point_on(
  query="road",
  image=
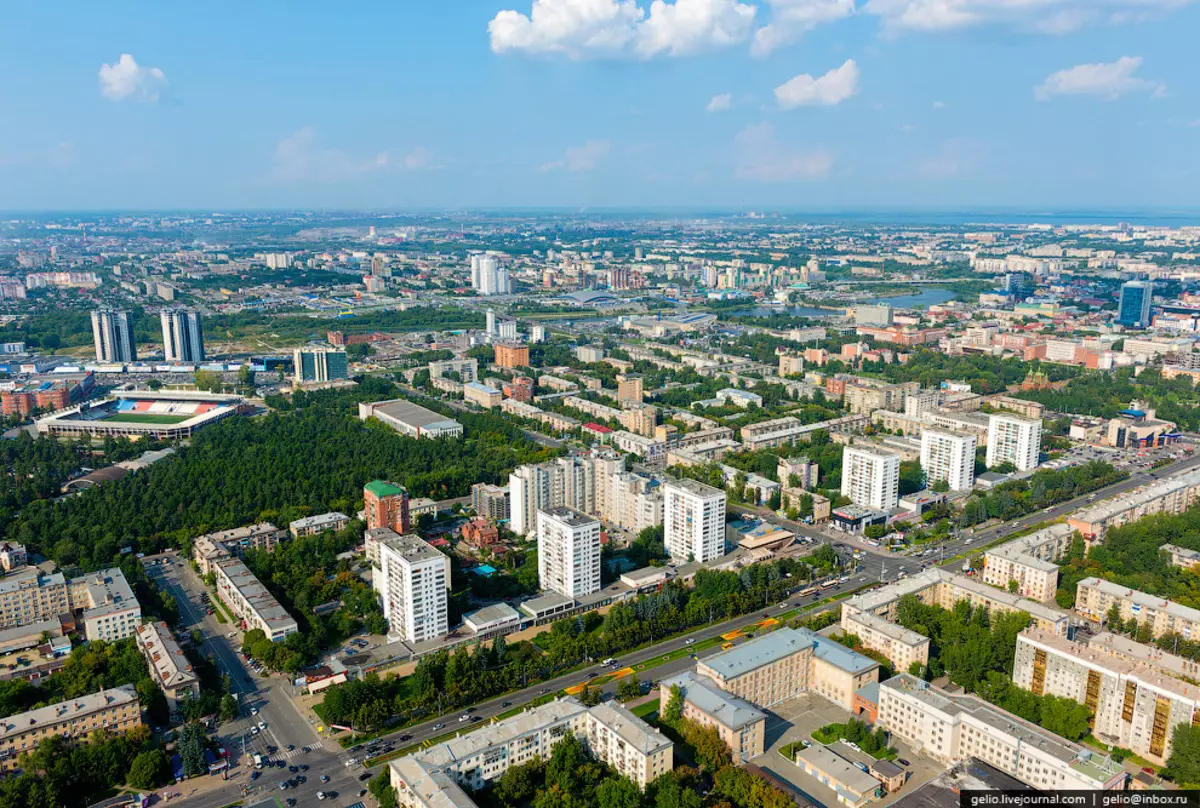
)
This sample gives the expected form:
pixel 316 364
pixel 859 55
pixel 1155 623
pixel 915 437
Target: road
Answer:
pixel 270 698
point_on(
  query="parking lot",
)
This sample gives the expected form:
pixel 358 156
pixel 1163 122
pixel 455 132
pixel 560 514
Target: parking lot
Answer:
pixel 794 720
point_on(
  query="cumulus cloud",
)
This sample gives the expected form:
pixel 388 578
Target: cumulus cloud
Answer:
pixel 760 156
pixel 720 103
pixel 1108 80
pixel 791 19
pixel 580 158
pixel 828 90
pixel 300 157
pixel 612 29
pixel 126 79
pixel 1045 16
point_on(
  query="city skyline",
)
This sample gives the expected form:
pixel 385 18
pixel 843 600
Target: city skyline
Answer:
pixel 724 104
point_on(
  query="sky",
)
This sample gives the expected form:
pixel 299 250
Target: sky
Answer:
pixel 1037 105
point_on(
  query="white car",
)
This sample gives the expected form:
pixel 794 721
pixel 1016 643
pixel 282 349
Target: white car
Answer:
pixel 262 725
pixel 689 641
pixel 320 795
pixel 253 730
pixel 253 711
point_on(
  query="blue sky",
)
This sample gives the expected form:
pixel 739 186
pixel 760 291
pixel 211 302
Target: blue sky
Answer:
pixel 731 104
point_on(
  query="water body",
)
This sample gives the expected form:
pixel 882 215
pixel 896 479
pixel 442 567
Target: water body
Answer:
pixel 927 296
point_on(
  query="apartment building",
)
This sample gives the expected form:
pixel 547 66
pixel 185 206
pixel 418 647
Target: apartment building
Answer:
pixel 790 365
pixel 109 609
pixel 206 552
pixel 789 431
pixel 386 505
pixel 922 401
pixel 490 501
pixel 786 663
pixel 871 477
pixel 169 667
pixel 592 408
pixel 649 450
pixel 236 541
pixel 1181 556
pixel 740 724
pixel 629 388
pixel 1015 440
pixel 313 525
pixel 1174 494
pixel 114 711
pixel 640 419
pixel 1033 410
pixel 631 501
pixel 512 355
pixel 948 457
pixel 439 777
pixel 250 602
pixel 1029 561
pixel 1094 597
pixel 804 470
pixel 568 552
pixel 693 521
pixel 27 596
pixel 568 481
pixel 901 646
pixel 482 395
pixel 864 396
pixel 952 728
pixel 1134 704
pixel 412 579
pixel 467 369
pixel 940 587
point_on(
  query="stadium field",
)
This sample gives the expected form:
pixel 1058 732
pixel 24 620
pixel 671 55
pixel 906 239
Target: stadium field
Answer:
pixel 146 418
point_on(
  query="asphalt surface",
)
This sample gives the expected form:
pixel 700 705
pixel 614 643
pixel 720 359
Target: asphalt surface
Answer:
pixel 284 723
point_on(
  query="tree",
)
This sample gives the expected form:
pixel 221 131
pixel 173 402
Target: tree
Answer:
pixel 191 749
pixel 710 750
pixel 1183 766
pixel 618 792
pixel 1013 585
pixel 208 380
pixel 229 707
pixel 381 788
pixel 629 688
pixel 672 711
pixel 916 668
pixel 149 769
pixel 1065 717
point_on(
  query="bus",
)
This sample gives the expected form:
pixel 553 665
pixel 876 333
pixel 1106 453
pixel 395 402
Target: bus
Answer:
pixel 806 592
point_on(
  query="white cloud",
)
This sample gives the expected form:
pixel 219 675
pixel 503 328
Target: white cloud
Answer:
pixel 1044 16
pixel 421 158
pixel 720 103
pixel 939 104
pixel 760 156
pixel 828 90
pixel 1109 80
pixel 580 158
pixel 127 79
pixel 598 29
pixel 1195 123
pixel 791 19
pixel 299 157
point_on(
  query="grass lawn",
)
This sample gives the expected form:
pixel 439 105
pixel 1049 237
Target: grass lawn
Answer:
pixel 646 710
pixel 146 418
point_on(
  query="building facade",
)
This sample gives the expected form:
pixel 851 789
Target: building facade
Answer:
pixel 250 602
pixel 169 667
pixel 112 711
pixel 1029 562
pixel 871 477
pixel 112 333
pixel 693 521
pixel 183 337
pixel 568 552
pixel 948 457
pixel 386 505
pixel 1013 439
pixel 314 365
pixel 413 579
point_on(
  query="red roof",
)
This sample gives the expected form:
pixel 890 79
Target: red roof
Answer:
pixel 597 428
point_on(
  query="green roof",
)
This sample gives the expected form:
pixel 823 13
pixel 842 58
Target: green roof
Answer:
pixel 382 488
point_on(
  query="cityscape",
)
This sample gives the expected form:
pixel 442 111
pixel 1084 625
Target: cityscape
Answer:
pixel 600 404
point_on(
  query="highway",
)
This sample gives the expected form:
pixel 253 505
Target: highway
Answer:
pixel 285 725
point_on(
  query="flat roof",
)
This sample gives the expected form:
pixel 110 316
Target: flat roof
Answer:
pixel 383 488
pixel 411 547
pixel 843 774
pixel 781 643
pixel 1147 493
pixel 493 613
pixel 264 604
pixel 893 631
pixel 415 415
pixel 568 516
pixel 320 519
pixel 695 487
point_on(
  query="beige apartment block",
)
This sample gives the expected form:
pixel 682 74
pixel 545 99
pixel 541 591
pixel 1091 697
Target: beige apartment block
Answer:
pixel 115 710
pixel 1029 561
pixel 740 724
pixel 901 646
pixel 1094 598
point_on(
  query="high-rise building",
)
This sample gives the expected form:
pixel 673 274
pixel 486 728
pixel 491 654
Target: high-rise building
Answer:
pixel 569 481
pixel 1015 440
pixel 412 580
pixel 320 365
pixel 877 314
pixel 693 521
pixel 948 457
pixel 183 340
pixel 511 355
pixel 386 505
pixel 629 387
pixel 871 477
pixel 568 552
pixel 112 332
pixel 1134 308
pixel 489 276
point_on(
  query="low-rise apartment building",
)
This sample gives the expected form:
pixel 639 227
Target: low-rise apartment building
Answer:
pixel 438 777
pixel 900 645
pixel 786 663
pixel 312 525
pixel 169 667
pixel 483 395
pixel 114 710
pixel 28 596
pixel 789 431
pixel 1029 561
pixel 1181 556
pixel 951 728
pixel 109 609
pixel 740 724
pixel 250 602
pixel 1134 704
pixel 261 536
pixel 1094 597
pixel 1171 495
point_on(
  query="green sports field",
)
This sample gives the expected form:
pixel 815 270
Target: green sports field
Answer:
pixel 146 418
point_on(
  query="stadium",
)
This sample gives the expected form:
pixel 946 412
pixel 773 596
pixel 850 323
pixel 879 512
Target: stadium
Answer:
pixel 135 414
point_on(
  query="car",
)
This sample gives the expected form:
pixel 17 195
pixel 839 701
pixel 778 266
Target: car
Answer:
pixel 324 778
pixel 291 801
pixel 300 778
pixel 475 718
pixel 262 725
pixel 291 747
pixel 255 775
pixel 502 704
pixel 902 762
pixel 293 769
pixel 439 726
pixel 253 711
pixel 253 730
pixel 307 750
pixel 362 793
pixel 689 641
pixel 365 776
pixel 303 767
pixel 283 786
pixel 1149 770
pixel 592 674
pixel 320 795
pixel 406 737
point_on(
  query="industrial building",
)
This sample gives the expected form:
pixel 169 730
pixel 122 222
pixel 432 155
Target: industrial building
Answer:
pixel 411 419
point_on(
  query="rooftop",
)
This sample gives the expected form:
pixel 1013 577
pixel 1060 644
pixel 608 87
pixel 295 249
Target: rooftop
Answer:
pixel 320 519
pixel 411 547
pixel 261 601
pixel 723 707
pixel 383 488
pixel 1124 502
pixel 695 488
pixel 568 516
pixel 843 774
pixel 1142 600
pixel 782 643
pixel 412 414
pixel 51 714
pixel 893 631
